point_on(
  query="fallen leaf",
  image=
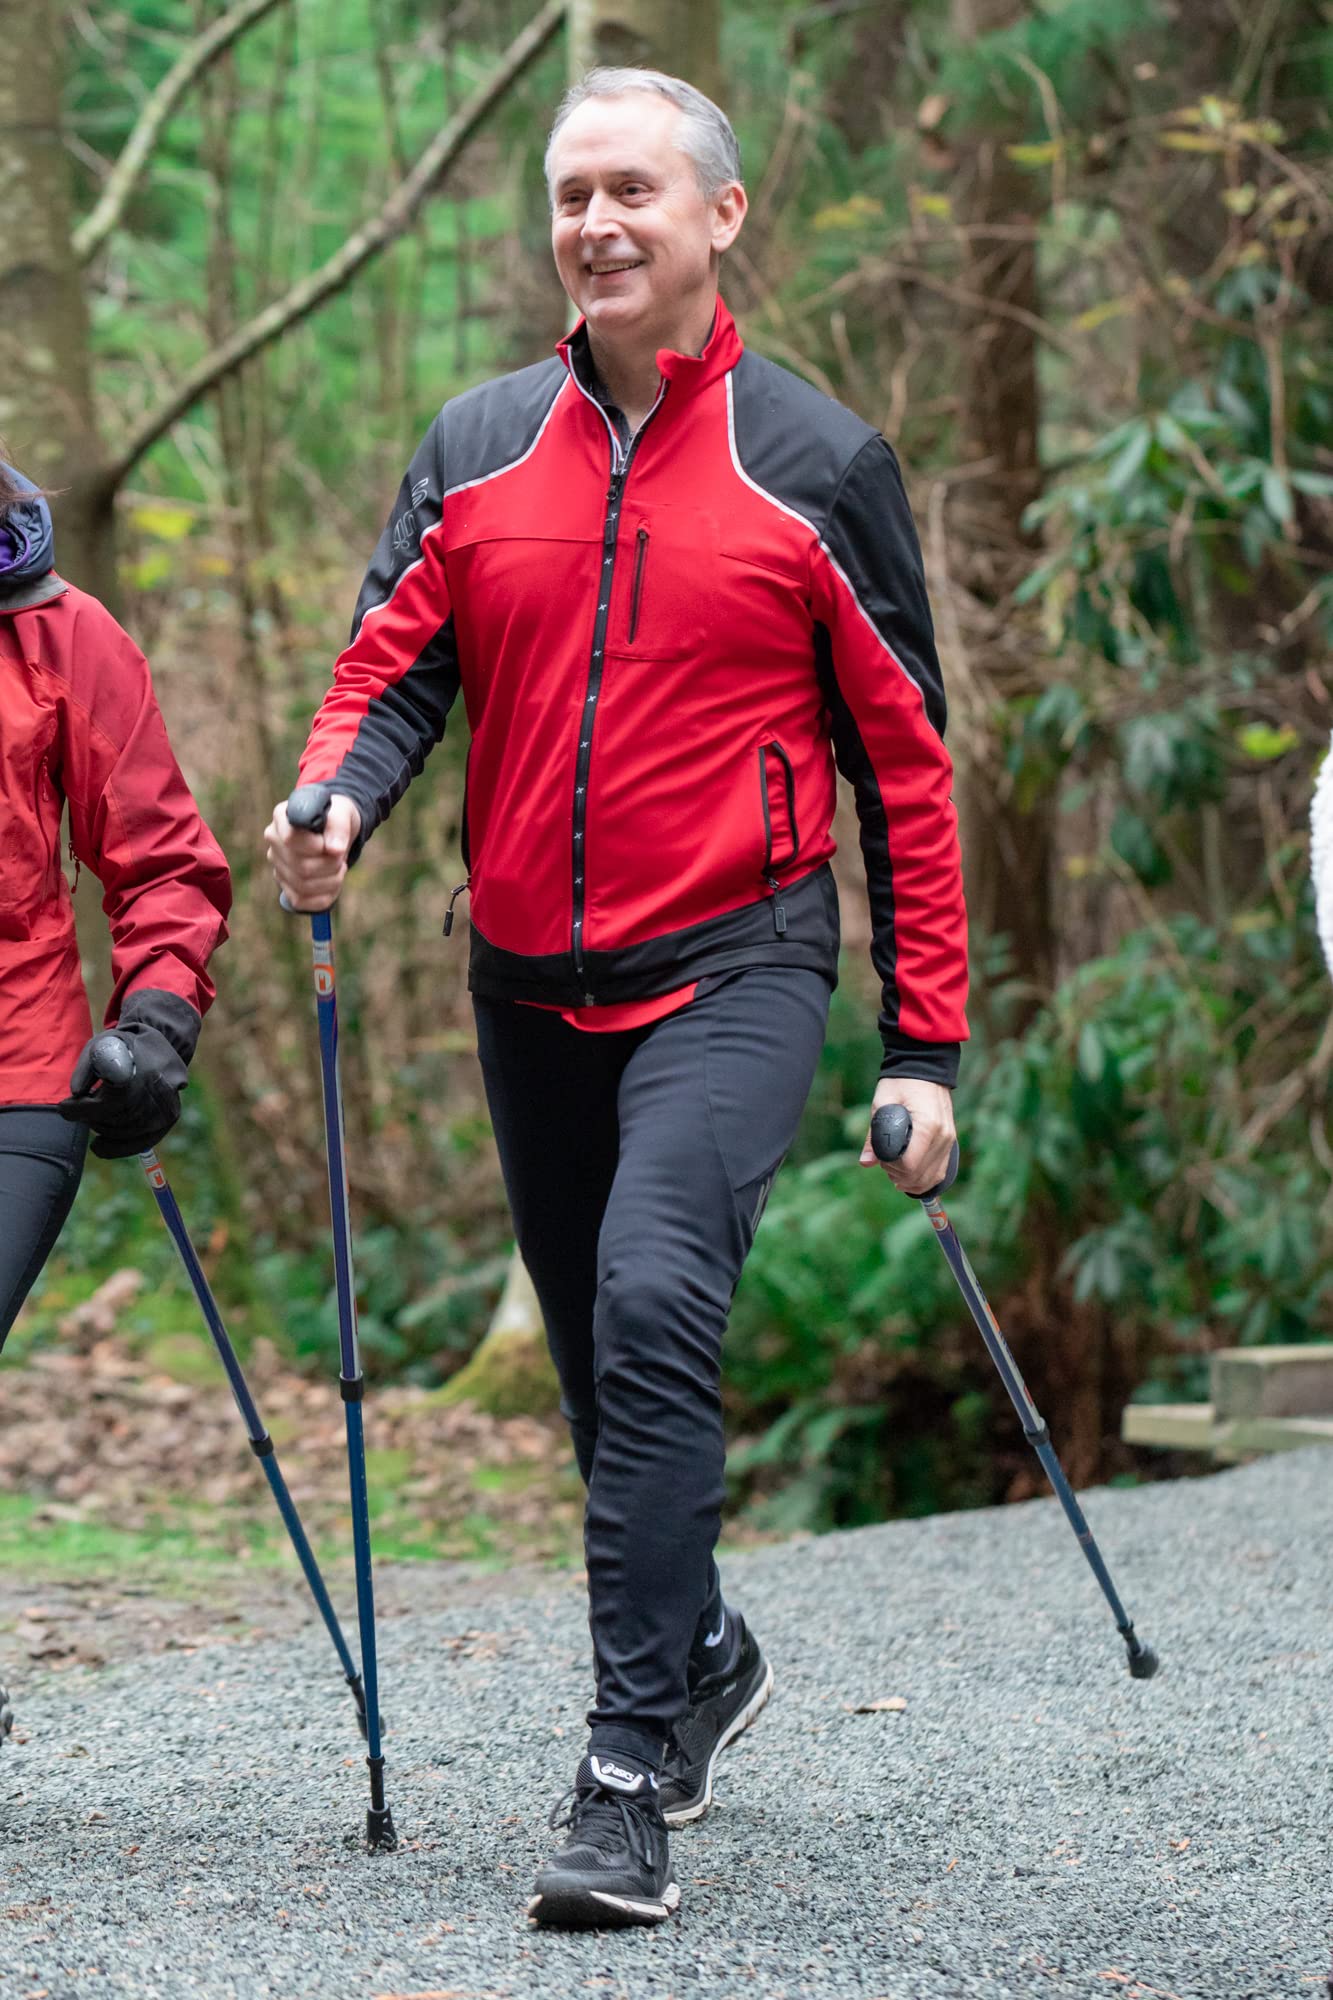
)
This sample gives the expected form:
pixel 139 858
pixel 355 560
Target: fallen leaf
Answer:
pixel 893 1704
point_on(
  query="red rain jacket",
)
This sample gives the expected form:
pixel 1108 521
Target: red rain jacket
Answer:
pixel 662 651
pixel 79 726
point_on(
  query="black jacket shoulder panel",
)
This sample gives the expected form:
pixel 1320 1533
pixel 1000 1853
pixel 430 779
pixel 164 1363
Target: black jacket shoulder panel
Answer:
pixel 497 423
pixel 792 440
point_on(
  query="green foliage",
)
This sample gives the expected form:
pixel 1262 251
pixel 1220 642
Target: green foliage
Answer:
pixel 1143 1174
pixel 1112 1144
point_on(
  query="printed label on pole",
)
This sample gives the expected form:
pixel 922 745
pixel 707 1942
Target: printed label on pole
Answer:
pixel 156 1177
pixel 322 952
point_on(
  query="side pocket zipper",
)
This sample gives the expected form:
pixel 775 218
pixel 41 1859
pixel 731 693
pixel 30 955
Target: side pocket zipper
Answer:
pixel 636 596
pixel 789 780
pixel 449 913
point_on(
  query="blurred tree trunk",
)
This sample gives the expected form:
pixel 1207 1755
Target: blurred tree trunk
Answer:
pixel 682 37
pixel 679 36
pixel 46 398
pixel 510 1374
pixel 1008 840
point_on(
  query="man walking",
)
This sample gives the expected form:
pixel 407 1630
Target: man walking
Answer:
pixel 673 583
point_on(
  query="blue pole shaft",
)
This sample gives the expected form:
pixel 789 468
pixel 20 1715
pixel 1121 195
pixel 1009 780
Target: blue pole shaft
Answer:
pixel 245 1403
pixel 326 1002
pixel 1034 1429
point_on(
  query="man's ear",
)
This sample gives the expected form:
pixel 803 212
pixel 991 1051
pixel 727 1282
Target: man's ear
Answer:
pixel 729 208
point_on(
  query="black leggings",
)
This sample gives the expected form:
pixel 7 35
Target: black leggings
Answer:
pixel 41 1163
pixel 637 1165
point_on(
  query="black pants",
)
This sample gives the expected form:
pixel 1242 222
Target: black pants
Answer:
pixel 41 1162
pixel 637 1165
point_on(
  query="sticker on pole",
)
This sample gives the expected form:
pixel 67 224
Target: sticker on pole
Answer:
pixel 322 951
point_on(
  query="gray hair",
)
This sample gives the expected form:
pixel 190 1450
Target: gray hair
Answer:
pixel 705 134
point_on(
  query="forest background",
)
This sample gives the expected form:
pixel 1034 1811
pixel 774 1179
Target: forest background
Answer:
pixel 1074 257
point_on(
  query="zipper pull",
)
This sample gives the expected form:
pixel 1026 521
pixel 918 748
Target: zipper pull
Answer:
pixel 779 911
pixel 75 859
pixel 449 913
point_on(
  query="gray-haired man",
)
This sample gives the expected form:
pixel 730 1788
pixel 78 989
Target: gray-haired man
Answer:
pixel 674 584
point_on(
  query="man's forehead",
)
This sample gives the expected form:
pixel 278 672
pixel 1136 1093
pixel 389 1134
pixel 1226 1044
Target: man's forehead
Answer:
pixel 617 135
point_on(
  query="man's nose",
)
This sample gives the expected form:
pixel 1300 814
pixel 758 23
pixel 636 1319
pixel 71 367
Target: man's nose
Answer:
pixel 599 219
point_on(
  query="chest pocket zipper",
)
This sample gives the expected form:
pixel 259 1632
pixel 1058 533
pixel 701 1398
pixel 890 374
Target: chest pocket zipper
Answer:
pixel 636 595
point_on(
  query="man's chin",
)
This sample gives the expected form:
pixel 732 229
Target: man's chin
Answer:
pixel 620 310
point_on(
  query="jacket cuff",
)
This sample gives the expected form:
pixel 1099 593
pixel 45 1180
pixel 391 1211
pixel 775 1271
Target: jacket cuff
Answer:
pixel 931 1062
pixel 365 806
pixel 174 1019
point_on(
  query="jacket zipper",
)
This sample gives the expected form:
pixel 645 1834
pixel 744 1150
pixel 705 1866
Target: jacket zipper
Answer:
pixel 789 782
pixel 461 890
pixel 466 844
pixel 615 493
pixel 640 562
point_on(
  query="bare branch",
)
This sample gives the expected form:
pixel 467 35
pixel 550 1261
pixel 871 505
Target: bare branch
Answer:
pixel 93 231
pixel 364 244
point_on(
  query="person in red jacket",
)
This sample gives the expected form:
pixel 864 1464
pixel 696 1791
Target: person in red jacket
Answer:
pixel 80 731
pixel 677 587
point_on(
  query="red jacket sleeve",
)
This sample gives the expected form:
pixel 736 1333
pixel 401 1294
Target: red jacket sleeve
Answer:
pixel 396 680
pixel 134 822
pixel 886 698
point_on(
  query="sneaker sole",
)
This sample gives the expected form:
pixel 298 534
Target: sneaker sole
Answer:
pixel 682 1815
pixel 582 1909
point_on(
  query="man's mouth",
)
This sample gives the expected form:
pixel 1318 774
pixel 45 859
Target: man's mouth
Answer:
pixel 607 269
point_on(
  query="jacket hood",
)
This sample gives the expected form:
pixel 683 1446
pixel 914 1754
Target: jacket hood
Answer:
pixel 28 524
pixel 27 552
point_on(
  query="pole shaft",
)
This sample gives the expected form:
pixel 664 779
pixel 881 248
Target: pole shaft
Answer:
pixel 1034 1429
pixel 245 1403
pixel 326 1005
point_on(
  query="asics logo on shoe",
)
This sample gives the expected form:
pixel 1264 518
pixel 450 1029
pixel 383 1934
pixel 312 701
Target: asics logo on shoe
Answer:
pixel 715 1638
pixel 617 1779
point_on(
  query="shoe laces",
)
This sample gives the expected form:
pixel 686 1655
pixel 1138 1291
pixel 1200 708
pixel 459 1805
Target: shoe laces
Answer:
pixel 601 1819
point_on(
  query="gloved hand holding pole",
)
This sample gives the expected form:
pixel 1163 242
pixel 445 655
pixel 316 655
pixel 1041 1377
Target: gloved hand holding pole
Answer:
pixel 308 808
pixel 890 1135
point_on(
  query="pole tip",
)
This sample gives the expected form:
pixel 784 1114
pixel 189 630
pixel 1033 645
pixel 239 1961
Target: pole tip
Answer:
pixel 1143 1662
pixel 380 1835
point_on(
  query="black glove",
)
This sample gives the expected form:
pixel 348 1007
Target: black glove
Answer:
pixel 161 1030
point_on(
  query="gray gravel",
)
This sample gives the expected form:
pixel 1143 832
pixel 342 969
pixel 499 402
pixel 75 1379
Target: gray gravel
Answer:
pixel 1032 1823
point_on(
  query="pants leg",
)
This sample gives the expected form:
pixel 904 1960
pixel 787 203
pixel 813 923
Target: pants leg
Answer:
pixel 552 1096
pixel 41 1163
pixel 709 1103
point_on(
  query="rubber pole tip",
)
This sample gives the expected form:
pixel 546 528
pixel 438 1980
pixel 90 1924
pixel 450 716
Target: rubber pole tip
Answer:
pixel 1143 1664
pixel 380 1835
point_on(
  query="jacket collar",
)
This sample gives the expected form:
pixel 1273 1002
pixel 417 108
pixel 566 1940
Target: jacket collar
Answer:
pixel 26 593
pixel 688 372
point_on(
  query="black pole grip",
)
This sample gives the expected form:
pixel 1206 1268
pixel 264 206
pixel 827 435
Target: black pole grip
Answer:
pixel 112 1058
pixel 308 807
pixel 891 1135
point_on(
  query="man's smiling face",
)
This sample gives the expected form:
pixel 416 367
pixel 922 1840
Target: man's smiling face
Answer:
pixel 635 241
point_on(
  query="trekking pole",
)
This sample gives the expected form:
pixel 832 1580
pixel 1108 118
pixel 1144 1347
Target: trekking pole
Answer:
pixel 113 1061
pixel 307 808
pixel 890 1136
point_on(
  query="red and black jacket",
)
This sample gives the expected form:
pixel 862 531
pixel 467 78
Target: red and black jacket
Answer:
pixel 662 651
pixel 80 729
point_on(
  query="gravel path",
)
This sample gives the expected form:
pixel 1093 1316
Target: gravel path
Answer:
pixel 1033 1822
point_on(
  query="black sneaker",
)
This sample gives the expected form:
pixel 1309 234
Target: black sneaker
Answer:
pixel 6 1714
pixel 614 1869
pixel 720 1708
